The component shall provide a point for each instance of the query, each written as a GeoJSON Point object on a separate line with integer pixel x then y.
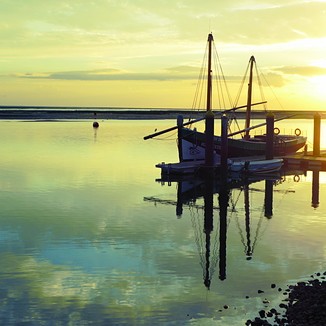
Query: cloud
{"type": "Point", "coordinates": [140, 22]}
{"type": "Point", "coordinates": [307, 71]}
{"type": "Point", "coordinates": [183, 72]}
{"type": "Point", "coordinates": [278, 24]}
{"type": "Point", "coordinates": [272, 79]}
{"type": "Point", "coordinates": [167, 74]}
{"type": "Point", "coordinates": [174, 73]}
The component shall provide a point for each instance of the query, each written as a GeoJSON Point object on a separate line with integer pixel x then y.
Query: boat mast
{"type": "Point", "coordinates": [209, 73]}
{"type": "Point", "coordinates": [248, 112]}
{"type": "Point", "coordinates": [209, 116]}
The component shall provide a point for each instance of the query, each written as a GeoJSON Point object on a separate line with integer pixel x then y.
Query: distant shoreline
{"type": "Point", "coordinates": [14, 113]}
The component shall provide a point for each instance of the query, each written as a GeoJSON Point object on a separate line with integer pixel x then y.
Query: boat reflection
{"type": "Point", "coordinates": [211, 235]}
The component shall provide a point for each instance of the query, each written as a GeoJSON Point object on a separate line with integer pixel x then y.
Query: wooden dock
{"type": "Point", "coordinates": [306, 161]}
{"type": "Point", "coordinates": [299, 160]}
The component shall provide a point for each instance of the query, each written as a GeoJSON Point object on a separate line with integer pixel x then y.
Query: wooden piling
{"type": "Point", "coordinates": [316, 145]}
{"type": "Point", "coordinates": [180, 125]}
{"type": "Point", "coordinates": [270, 136]}
{"type": "Point", "coordinates": [224, 144]}
{"type": "Point", "coordinates": [209, 141]}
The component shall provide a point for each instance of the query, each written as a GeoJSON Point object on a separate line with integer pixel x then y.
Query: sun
{"type": "Point", "coordinates": [318, 87]}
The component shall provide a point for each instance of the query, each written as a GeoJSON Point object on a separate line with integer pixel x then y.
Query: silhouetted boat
{"type": "Point", "coordinates": [192, 142]}
{"type": "Point", "coordinates": [246, 146]}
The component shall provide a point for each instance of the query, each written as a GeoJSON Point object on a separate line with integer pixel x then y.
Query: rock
{"type": "Point", "coordinates": [306, 306]}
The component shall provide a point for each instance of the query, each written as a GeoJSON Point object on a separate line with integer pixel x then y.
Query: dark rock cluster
{"type": "Point", "coordinates": [305, 305]}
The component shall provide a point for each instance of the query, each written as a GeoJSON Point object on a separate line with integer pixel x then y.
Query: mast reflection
{"type": "Point", "coordinates": [208, 227]}
{"type": "Point", "coordinates": [211, 236]}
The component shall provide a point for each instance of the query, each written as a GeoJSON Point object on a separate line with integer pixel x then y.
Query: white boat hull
{"type": "Point", "coordinates": [257, 167]}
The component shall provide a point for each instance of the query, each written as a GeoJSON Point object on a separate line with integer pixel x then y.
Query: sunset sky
{"type": "Point", "coordinates": [148, 53]}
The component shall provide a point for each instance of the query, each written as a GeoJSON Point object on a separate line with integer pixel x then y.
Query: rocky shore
{"type": "Point", "coordinates": [305, 305]}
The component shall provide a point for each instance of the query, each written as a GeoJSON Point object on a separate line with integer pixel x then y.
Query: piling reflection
{"type": "Point", "coordinates": [211, 224]}
{"type": "Point", "coordinates": [315, 189]}
{"type": "Point", "coordinates": [223, 200]}
{"type": "Point", "coordinates": [269, 198]}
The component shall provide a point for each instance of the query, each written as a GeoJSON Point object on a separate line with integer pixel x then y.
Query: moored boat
{"type": "Point", "coordinates": [192, 143]}
{"type": "Point", "coordinates": [246, 145]}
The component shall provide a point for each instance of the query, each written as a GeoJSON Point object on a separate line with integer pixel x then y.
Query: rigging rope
{"type": "Point", "coordinates": [241, 86]}
{"type": "Point", "coordinates": [260, 86]}
{"type": "Point", "coordinates": [220, 81]}
{"type": "Point", "coordinates": [171, 136]}
{"type": "Point", "coordinates": [267, 83]}
{"type": "Point", "coordinates": [200, 85]}
{"type": "Point", "coordinates": [200, 98]}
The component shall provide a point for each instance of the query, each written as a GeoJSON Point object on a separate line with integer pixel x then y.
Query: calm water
{"type": "Point", "coordinates": [90, 237]}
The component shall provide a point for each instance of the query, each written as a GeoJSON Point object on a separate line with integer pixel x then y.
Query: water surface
{"type": "Point", "coordinates": [90, 237]}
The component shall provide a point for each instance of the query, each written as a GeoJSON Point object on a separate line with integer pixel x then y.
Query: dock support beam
{"type": "Point", "coordinates": [180, 124]}
{"type": "Point", "coordinates": [316, 146]}
{"type": "Point", "coordinates": [270, 136]}
{"type": "Point", "coordinates": [224, 144]}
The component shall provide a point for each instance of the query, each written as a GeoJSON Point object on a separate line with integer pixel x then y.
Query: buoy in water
{"type": "Point", "coordinates": [95, 124]}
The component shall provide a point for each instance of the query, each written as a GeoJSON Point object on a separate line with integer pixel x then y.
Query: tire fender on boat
{"type": "Point", "coordinates": [276, 131]}
{"type": "Point", "coordinates": [297, 132]}
{"type": "Point", "coordinates": [296, 178]}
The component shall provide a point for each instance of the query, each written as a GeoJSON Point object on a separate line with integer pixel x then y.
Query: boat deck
{"type": "Point", "coordinates": [181, 168]}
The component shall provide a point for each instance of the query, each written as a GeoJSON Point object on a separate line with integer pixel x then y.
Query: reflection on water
{"type": "Point", "coordinates": [212, 225]}
{"type": "Point", "coordinates": [88, 237]}
{"type": "Point", "coordinates": [191, 189]}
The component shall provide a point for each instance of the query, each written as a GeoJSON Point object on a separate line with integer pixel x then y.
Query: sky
{"type": "Point", "coordinates": [148, 54]}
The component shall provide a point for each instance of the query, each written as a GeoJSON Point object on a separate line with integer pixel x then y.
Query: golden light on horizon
{"type": "Point", "coordinates": [148, 55]}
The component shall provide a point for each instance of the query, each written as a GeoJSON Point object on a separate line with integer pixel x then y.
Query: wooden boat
{"type": "Point", "coordinates": [193, 145]}
{"type": "Point", "coordinates": [194, 141]}
{"type": "Point", "coordinates": [243, 166]}
{"type": "Point", "coordinates": [188, 167]}
{"type": "Point", "coordinates": [182, 168]}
